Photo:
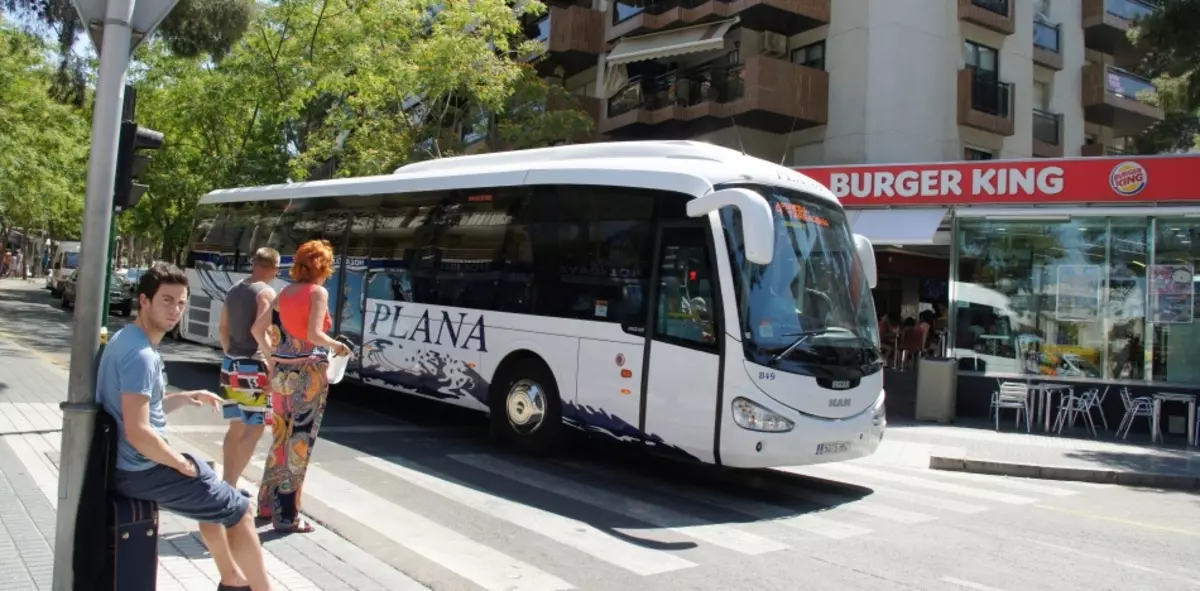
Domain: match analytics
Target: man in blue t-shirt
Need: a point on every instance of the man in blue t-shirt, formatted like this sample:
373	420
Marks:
131	386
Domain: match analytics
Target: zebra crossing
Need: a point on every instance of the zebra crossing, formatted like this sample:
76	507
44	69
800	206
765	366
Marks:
692	526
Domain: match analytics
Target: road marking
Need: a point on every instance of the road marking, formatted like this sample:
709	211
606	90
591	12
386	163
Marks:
767	512
718	535
968	584
921	483
1111	560
469	559
1009	482
567	531
32	416
1174	530
38	465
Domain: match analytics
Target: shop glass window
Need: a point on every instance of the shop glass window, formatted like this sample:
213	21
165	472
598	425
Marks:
1175	351
1031	297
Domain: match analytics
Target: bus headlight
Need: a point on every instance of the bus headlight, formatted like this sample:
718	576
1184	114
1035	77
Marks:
753	417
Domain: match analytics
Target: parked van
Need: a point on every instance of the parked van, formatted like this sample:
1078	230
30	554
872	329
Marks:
62	264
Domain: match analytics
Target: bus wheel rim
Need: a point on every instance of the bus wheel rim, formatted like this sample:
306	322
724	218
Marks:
526	406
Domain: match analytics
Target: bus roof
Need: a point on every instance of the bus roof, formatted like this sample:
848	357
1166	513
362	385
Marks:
683	166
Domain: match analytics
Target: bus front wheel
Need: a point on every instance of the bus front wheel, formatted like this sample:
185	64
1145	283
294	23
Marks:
526	410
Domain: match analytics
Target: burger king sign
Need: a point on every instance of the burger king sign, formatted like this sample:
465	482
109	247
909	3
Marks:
1128	178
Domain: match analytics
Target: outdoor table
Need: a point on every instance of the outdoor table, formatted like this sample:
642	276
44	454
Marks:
1161	397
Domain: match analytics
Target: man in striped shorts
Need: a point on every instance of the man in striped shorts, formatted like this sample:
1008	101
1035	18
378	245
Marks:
245	370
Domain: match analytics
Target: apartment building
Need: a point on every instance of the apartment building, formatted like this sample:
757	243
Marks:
811	82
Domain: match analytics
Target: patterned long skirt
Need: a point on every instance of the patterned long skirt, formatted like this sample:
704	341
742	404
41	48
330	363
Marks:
298	397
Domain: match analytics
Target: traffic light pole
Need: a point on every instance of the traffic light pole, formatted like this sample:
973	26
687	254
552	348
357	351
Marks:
108	267
79	411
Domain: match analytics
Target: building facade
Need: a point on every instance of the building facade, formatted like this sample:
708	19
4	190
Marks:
818	82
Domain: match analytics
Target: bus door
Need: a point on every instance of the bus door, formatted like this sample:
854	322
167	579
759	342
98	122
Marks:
682	374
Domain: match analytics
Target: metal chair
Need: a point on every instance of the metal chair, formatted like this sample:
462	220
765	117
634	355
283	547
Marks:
1142	406
1014	395
1073	406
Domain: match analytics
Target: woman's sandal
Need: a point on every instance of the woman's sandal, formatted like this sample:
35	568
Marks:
300	526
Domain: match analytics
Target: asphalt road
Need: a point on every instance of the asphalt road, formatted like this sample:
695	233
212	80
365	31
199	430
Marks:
421	486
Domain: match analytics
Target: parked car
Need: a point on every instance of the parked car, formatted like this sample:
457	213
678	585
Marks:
120	293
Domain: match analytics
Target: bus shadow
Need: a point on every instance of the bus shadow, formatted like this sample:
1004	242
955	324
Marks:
619	489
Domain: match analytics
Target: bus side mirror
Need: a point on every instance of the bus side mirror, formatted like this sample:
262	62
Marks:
866	257
758	224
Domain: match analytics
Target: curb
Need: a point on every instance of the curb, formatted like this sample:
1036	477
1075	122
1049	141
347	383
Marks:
1125	478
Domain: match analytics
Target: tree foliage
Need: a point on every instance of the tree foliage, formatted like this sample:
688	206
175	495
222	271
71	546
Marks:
1169	41
334	88
193	28
43	143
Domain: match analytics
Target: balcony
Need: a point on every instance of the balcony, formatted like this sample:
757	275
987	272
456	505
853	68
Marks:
1106	25
788	17
574	36
1047	134
996	15
984	103
763	93
1101	150
1115	98
1047	45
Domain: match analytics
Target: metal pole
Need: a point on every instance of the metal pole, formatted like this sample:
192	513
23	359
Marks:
108	267
80	410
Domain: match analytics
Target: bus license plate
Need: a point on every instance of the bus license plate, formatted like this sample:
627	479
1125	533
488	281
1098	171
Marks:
833	447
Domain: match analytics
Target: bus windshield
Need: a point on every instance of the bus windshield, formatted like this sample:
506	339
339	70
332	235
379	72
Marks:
70	260
810	310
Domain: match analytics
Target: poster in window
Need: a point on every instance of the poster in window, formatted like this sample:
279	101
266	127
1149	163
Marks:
1171	293
1078	297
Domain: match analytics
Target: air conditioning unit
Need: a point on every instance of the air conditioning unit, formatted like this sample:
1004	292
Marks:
774	44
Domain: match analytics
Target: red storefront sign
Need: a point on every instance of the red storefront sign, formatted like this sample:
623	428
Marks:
1140	180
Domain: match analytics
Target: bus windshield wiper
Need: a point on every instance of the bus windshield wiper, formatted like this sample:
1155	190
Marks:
803	336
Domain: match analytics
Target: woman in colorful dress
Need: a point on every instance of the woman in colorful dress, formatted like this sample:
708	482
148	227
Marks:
299	385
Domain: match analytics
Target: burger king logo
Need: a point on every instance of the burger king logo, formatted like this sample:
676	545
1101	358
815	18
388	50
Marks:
1128	178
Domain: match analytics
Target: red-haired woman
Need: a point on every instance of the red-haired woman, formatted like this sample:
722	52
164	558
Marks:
298	383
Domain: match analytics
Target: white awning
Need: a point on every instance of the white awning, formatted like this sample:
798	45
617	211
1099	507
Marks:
706	37
897	226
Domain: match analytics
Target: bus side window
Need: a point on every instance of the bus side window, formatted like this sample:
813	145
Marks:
591	249
686	313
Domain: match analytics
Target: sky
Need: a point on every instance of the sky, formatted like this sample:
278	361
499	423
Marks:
82	47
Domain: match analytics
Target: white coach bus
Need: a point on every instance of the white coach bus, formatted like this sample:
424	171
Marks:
680	295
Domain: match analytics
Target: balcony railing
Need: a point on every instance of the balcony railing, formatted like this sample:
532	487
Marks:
1126	85
627	9
1047	36
717	81
1129	10
991	96
1047	127
999	7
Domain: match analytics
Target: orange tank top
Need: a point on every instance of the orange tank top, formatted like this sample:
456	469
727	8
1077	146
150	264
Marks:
295	305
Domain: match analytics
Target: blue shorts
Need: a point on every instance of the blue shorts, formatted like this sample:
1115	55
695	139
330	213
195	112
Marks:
206	498
244	386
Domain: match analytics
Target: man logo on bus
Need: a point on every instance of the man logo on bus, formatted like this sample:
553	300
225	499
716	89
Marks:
1128	178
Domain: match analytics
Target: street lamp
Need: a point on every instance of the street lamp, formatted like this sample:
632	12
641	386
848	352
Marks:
116	28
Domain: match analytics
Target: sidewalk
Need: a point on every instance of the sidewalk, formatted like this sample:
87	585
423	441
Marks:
979	448
31	387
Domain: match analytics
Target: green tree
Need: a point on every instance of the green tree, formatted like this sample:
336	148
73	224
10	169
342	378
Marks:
43	143
193	28
1168	38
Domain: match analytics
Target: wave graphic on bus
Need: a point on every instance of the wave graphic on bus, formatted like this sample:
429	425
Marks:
429	372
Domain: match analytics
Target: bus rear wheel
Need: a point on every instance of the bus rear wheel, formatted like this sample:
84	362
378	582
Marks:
525	408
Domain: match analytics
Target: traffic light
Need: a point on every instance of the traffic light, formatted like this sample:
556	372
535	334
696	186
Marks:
130	163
